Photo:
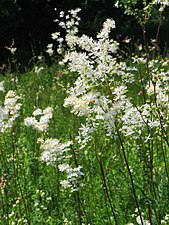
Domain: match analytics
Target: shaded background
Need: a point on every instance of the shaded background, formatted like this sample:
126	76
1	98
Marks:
30	24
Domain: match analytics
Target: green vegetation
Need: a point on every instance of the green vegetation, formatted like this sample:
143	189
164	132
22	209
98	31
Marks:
85	141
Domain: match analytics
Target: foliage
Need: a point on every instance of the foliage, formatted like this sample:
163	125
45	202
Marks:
86	141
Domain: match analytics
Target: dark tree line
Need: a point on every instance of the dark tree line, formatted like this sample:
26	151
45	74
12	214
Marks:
30	24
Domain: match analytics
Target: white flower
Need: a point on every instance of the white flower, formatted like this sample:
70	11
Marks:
62	24
61	14
2	86
48	111
162	2
10	111
30	121
50	49
40	124
107	26
38	69
37	112
55	35
65	183
74	12
47	157
63	167
73	175
54	150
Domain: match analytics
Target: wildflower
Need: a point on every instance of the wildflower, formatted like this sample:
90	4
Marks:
116	4
66	222
37	112
62	24
53	150
167	217
11	48
65	183
55	35
63	167
42	123
2	86
107	26
50	49
61	14
162	2
30	121
38	69
10	111
73	175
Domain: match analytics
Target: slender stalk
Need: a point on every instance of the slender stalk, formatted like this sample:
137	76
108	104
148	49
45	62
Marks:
150	146
163	132
106	187
106	191
157	35
165	163
80	212
130	175
146	51
143	88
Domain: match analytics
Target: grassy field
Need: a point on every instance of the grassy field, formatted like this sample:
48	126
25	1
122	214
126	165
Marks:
31	192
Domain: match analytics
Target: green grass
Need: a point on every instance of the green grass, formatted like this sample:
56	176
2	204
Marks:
32	194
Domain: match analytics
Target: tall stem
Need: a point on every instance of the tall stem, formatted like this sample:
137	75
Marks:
146	51
157	35
106	188
130	175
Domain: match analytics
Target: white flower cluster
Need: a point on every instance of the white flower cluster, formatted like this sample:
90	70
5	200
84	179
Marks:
40	119
70	24
165	220
71	21
162	2
2	86
66	222
139	221
73	176
159	86
38	69
50	50
145	222
107	26
97	68
10	111
56	153
98	94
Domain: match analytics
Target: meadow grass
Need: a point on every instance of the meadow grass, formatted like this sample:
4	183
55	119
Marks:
87	142
30	190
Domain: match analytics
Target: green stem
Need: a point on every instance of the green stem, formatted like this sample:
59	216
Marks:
105	187
130	175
